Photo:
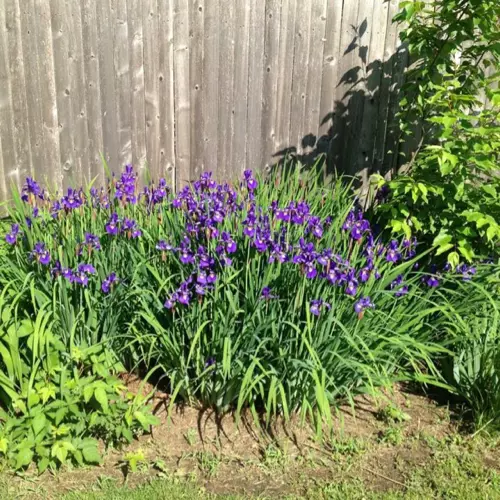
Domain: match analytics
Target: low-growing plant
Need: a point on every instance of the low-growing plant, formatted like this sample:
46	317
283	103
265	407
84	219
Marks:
473	369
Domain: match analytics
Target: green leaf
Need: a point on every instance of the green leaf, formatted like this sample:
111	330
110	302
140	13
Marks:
24	457
91	453
38	423
453	259
102	398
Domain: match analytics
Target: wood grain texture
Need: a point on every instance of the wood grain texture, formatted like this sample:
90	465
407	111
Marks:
78	94
182	91
271	76
196	55
285	63
106	28
255	135
122	82
181	86
166	92
210	86
7	146
60	40
91	49
226	87
242	99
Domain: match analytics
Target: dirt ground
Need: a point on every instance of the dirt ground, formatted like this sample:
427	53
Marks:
367	443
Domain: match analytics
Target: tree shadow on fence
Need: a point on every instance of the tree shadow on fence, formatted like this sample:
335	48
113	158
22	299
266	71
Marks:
362	131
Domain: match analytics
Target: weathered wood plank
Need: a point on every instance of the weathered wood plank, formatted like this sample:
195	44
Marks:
150	23
60	40
22	141
330	73
50	127
348	74
299	78
210	86
122	76
8	159
284	91
105	52
255	136
92	78
166	91
378	152
78	94
196	54
271	76
226	97
33	94
312	119
182	92
136	74
241	98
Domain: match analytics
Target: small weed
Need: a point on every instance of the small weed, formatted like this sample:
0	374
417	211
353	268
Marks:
190	437
133	461
392	414
273	457
208	463
392	435
346	446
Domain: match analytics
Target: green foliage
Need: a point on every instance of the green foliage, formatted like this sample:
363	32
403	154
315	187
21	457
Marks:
474	335
448	192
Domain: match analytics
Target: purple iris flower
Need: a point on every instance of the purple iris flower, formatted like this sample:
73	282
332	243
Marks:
93	241
362	304
72	200
41	254
107	284
352	288
249	230
402	291
251	182
112	225
56	270
267	294
11	238
163	246
359	228
86	268
31	187
364	274
431	281
392	255
316	306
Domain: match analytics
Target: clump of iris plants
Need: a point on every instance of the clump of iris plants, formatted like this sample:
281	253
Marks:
272	293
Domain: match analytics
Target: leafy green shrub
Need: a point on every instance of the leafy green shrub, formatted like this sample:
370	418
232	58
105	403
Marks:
272	294
57	401
449	190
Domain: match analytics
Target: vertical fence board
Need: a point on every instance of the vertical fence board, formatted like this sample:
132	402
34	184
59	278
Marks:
241	86
60	41
166	92
8	158
150	26
196	55
255	135
106	28
226	98
122	76
286	56
312	118
272	73
91	48
210	86
78	94
330	75
182	92
300	69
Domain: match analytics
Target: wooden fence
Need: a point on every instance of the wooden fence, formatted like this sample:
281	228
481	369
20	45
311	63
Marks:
182	86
